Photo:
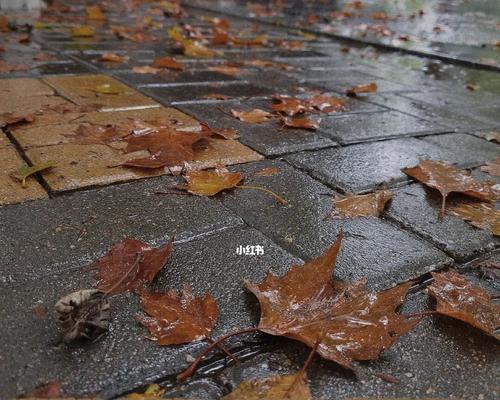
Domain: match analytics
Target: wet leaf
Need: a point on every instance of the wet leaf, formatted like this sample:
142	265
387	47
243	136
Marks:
94	13
365	205
368	88
224	133
268	171
289	105
4	24
84	314
8	119
342	319
26	171
260	40
458	298
255	116
217	96
145	69
50	390
327	104
290	387
300	123
82	31
112	57
153	392
168	63
178	319
481	215
226	70
492	168
129	265
108	88
209	183
196	49
40	311
96	134
447	179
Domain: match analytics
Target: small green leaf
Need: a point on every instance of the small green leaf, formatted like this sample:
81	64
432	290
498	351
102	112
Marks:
108	88
27	170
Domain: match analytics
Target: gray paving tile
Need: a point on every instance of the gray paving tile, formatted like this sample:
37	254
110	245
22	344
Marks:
372	248
364	166
164	77
417	209
455	99
40	237
124	359
375	126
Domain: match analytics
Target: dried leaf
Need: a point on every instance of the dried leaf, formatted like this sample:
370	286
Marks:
82	31
300	123
481	215
260	40
348	323
84	314
368	88
217	96
168	63
112	57
145	69
175	319
26	171
447	179
458	298
153	392
226	70
108	88
5	67
256	116
492	168
268	171
196	49
94	13
44	57
96	134
129	265
290	387
4	24
289	105
493	136
8	119
327	104
50	390
209	183
352	206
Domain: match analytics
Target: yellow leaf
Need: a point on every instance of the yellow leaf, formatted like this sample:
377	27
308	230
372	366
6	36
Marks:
82	31
153	392
95	13
108	88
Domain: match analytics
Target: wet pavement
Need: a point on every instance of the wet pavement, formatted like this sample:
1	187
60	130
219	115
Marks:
438	97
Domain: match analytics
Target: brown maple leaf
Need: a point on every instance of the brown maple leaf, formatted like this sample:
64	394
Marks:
447	179
175	319
300	123
129	265
112	57
358	89
9	119
289	105
364	205
209	183
344	321
327	104
458	298
481	215
89	133
168	63
255	116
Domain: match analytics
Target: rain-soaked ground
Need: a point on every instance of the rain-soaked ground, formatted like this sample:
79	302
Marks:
67	77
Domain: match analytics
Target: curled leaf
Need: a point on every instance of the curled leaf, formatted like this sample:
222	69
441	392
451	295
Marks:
209	183
84	314
168	63
368	88
481	215
112	57
145	69
365	205
300	123
26	171
255	116
178	319
458	298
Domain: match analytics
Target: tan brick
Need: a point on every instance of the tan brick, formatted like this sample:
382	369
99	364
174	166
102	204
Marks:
24	87
29	104
11	190
82	90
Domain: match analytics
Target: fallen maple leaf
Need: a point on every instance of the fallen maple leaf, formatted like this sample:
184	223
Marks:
327	104
50	390
175	319
96	134
224	133
368	88
480	215
344	321
8	119
447	179
289	105
112	57
300	123
168	63
129	265
209	183
364	205
254	116
145	69
26	171
458	298
290	387
492	168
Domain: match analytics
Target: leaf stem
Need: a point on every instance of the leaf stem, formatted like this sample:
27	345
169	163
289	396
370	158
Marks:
225	350
421	314
135	265
302	371
278	198
190	370
443	205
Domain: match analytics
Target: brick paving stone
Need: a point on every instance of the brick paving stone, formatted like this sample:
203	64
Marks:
488	115
375	126
362	167
455	100
24	87
373	248
417	208
176	77
469	358
11	190
191	93
124	359
266	138
22	103
82	90
473	151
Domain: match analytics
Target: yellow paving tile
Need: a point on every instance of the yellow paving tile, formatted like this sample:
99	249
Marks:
53	128
83	90
28	104
24	87
11	190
